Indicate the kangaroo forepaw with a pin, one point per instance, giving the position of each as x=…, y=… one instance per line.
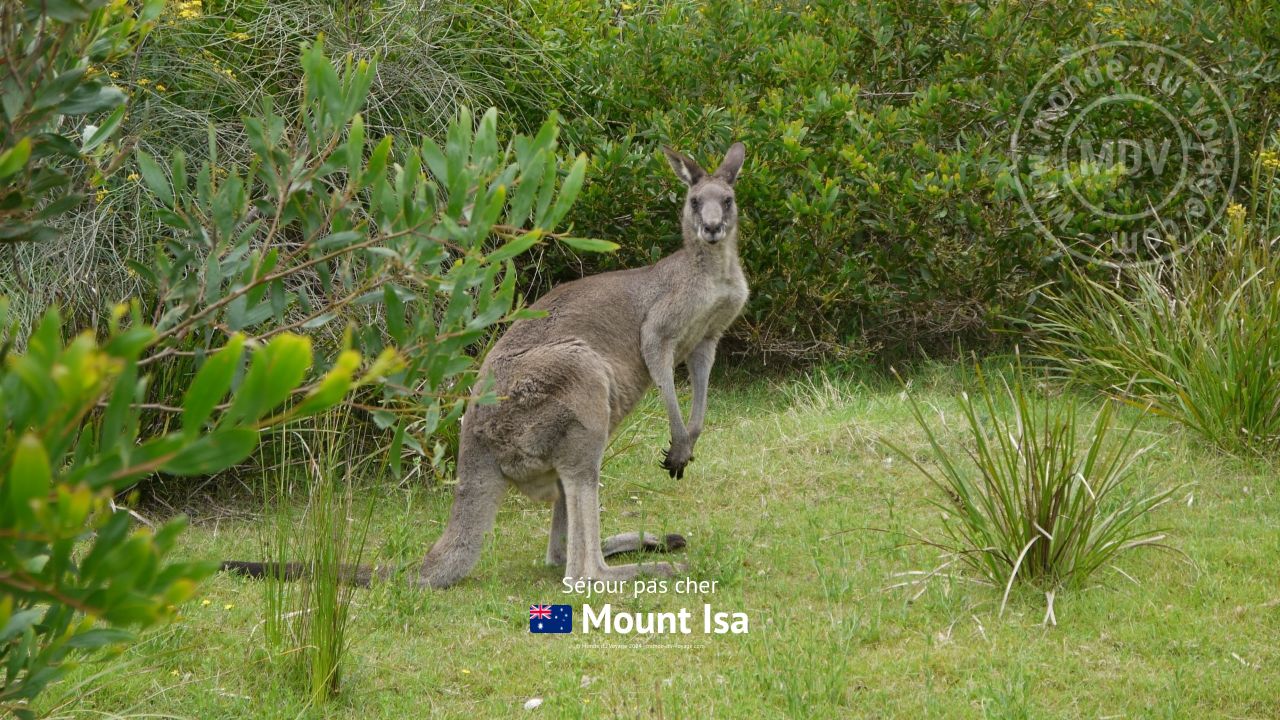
x=674, y=463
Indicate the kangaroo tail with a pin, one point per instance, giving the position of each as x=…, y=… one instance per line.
x=481, y=486
x=475, y=506
x=356, y=575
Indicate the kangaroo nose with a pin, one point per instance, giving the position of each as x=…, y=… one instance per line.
x=713, y=229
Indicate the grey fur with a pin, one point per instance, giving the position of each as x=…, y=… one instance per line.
x=568, y=379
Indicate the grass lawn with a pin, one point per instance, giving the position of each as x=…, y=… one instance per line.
x=792, y=507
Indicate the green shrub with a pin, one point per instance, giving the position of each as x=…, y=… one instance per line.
x=213, y=62
x=355, y=243
x=878, y=201
x=1039, y=496
x=74, y=576
x=50, y=75
x=1196, y=337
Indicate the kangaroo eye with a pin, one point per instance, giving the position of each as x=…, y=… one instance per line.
x=694, y=203
x=728, y=203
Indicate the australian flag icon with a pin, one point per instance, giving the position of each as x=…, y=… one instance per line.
x=550, y=618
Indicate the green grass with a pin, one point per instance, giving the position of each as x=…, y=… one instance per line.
x=1041, y=494
x=786, y=507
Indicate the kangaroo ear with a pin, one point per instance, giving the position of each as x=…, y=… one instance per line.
x=732, y=163
x=686, y=169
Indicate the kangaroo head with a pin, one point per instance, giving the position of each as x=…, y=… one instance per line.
x=710, y=213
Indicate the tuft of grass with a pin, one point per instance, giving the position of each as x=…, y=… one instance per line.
x=306, y=621
x=1040, y=495
x=1196, y=337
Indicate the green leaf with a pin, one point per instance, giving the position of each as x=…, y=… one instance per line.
x=526, y=191
x=319, y=321
x=355, y=149
x=67, y=11
x=151, y=10
x=210, y=385
x=340, y=239
x=30, y=476
x=92, y=98
x=100, y=637
x=155, y=178
x=589, y=244
x=568, y=192
x=103, y=131
x=15, y=158
x=395, y=313
x=275, y=371
x=19, y=622
x=214, y=452
x=333, y=387
x=516, y=246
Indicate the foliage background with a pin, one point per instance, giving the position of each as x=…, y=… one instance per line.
x=880, y=220
x=879, y=215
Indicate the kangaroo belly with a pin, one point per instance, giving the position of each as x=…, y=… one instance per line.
x=545, y=394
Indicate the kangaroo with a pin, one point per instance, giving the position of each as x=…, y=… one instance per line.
x=568, y=379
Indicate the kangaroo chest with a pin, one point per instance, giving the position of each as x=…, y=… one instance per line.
x=716, y=307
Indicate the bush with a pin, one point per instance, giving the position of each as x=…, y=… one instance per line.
x=878, y=199
x=74, y=576
x=355, y=244
x=1039, y=497
x=1196, y=337
x=50, y=56
x=214, y=62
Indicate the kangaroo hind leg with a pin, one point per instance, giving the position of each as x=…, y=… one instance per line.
x=557, y=543
x=481, y=486
x=580, y=484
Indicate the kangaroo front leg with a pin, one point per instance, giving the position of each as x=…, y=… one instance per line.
x=699, y=363
x=659, y=356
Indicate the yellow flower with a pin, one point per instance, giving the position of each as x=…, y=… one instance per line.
x=1235, y=211
x=144, y=82
x=206, y=602
x=1270, y=159
x=228, y=606
x=133, y=177
x=115, y=74
x=241, y=36
x=466, y=671
x=100, y=195
x=160, y=87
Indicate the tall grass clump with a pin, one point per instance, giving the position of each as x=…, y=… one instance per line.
x=1196, y=337
x=1041, y=494
x=307, y=605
